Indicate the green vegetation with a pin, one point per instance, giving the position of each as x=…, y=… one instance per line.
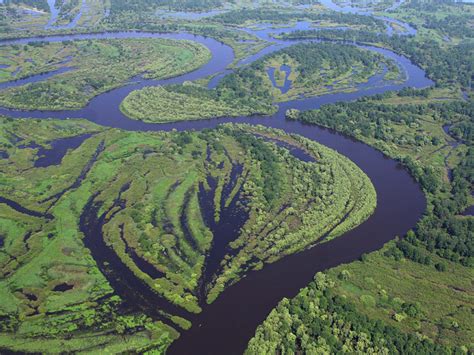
x=322, y=319
x=272, y=231
x=146, y=192
x=29, y=17
x=413, y=134
x=32, y=15
x=438, y=18
x=417, y=285
x=320, y=19
x=371, y=5
x=157, y=202
x=118, y=6
x=318, y=68
x=416, y=298
x=157, y=104
x=51, y=287
x=37, y=4
x=446, y=65
x=68, y=10
x=414, y=295
x=99, y=66
x=241, y=93
x=197, y=6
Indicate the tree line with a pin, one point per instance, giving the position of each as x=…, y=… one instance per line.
x=319, y=320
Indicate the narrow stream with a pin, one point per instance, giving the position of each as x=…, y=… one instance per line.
x=51, y=25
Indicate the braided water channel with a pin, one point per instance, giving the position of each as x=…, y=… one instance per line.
x=226, y=325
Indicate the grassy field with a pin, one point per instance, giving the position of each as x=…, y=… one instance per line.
x=442, y=299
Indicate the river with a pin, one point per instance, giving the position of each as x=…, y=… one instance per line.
x=225, y=326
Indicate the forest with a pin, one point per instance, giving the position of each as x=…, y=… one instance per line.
x=319, y=320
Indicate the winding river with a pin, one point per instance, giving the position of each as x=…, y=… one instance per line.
x=225, y=326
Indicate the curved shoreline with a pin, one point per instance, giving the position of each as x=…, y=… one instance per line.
x=226, y=325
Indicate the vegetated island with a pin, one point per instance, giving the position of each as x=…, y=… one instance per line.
x=315, y=69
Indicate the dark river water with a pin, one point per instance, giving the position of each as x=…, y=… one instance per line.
x=225, y=326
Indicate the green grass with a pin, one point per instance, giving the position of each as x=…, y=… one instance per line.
x=443, y=298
